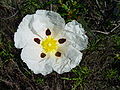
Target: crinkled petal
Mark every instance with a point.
(40, 24)
(37, 24)
(76, 35)
(69, 59)
(24, 35)
(31, 56)
(44, 20)
(24, 25)
(54, 17)
(22, 38)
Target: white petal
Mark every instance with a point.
(24, 33)
(54, 17)
(76, 35)
(69, 59)
(24, 25)
(31, 56)
(37, 24)
(74, 55)
(40, 24)
(47, 19)
(21, 38)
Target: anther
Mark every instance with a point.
(37, 40)
(58, 54)
(62, 40)
(42, 55)
(48, 32)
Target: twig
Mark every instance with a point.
(11, 16)
(107, 32)
(7, 82)
(99, 7)
(117, 1)
(97, 3)
(7, 7)
(100, 32)
(10, 83)
(115, 28)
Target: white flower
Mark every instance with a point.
(48, 44)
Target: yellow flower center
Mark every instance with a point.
(49, 44)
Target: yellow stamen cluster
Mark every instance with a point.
(49, 44)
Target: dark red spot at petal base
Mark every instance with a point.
(48, 32)
(58, 54)
(42, 55)
(62, 40)
(37, 40)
